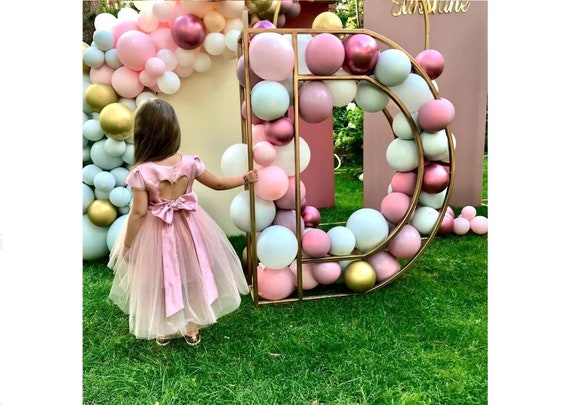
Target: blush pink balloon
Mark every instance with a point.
(263, 24)
(126, 82)
(326, 272)
(479, 225)
(162, 38)
(287, 200)
(406, 243)
(240, 73)
(308, 281)
(446, 226)
(311, 216)
(394, 206)
(288, 219)
(119, 29)
(461, 225)
(275, 284)
(188, 31)
(315, 101)
(101, 74)
(155, 67)
(360, 54)
(385, 265)
(279, 132)
(404, 182)
(315, 242)
(264, 153)
(432, 62)
(134, 48)
(468, 212)
(271, 56)
(272, 183)
(436, 178)
(324, 54)
(436, 115)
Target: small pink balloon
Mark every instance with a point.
(264, 153)
(263, 24)
(315, 243)
(468, 212)
(311, 216)
(126, 82)
(271, 56)
(162, 38)
(155, 67)
(385, 265)
(275, 284)
(308, 281)
(324, 54)
(119, 29)
(404, 182)
(361, 54)
(287, 200)
(101, 74)
(394, 206)
(449, 211)
(446, 226)
(436, 178)
(188, 31)
(288, 219)
(432, 62)
(315, 101)
(406, 243)
(326, 272)
(436, 115)
(479, 225)
(279, 132)
(272, 183)
(134, 48)
(461, 225)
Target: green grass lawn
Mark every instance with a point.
(420, 340)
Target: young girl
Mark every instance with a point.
(175, 270)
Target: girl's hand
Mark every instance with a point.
(250, 177)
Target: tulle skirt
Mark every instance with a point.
(138, 285)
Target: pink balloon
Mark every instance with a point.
(288, 219)
(263, 24)
(461, 225)
(311, 216)
(287, 200)
(327, 272)
(468, 212)
(315, 243)
(188, 31)
(324, 54)
(146, 79)
(240, 73)
(436, 115)
(162, 38)
(432, 62)
(446, 226)
(155, 67)
(275, 284)
(404, 182)
(308, 281)
(264, 153)
(258, 134)
(119, 29)
(279, 132)
(271, 56)
(101, 74)
(436, 178)
(134, 48)
(361, 54)
(385, 265)
(272, 183)
(315, 101)
(479, 225)
(406, 243)
(126, 82)
(394, 206)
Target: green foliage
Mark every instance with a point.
(348, 133)
(350, 13)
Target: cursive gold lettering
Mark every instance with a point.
(410, 7)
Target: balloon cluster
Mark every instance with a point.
(421, 123)
(466, 221)
(276, 11)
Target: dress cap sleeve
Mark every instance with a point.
(200, 166)
(135, 180)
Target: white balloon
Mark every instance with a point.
(202, 63)
(342, 239)
(168, 57)
(424, 219)
(432, 200)
(186, 57)
(402, 155)
(370, 98)
(269, 100)
(144, 96)
(285, 157)
(240, 212)
(434, 144)
(234, 160)
(413, 92)
(231, 8)
(168, 83)
(231, 40)
(393, 67)
(127, 14)
(343, 91)
(369, 227)
(276, 247)
(105, 21)
(401, 126)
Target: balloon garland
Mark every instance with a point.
(137, 55)
(312, 71)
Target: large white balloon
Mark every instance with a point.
(393, 67)
(402, 155)
(285, 158)
(370, 98)
(369, 227)
(276, 247)
(234, 160)
(424, 219)
(413, 92)
(240, 212)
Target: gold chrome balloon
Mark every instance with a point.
(116, 121)
(102, 212)
(328, 21)
(359, 276)
(85, 66)
(258, 6)
(98, 95)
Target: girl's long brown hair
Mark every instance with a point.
(156, 131)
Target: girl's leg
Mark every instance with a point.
(192, 335)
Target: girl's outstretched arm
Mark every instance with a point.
(136, 215)
(214, 182)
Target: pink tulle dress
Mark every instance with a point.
(181, 267)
